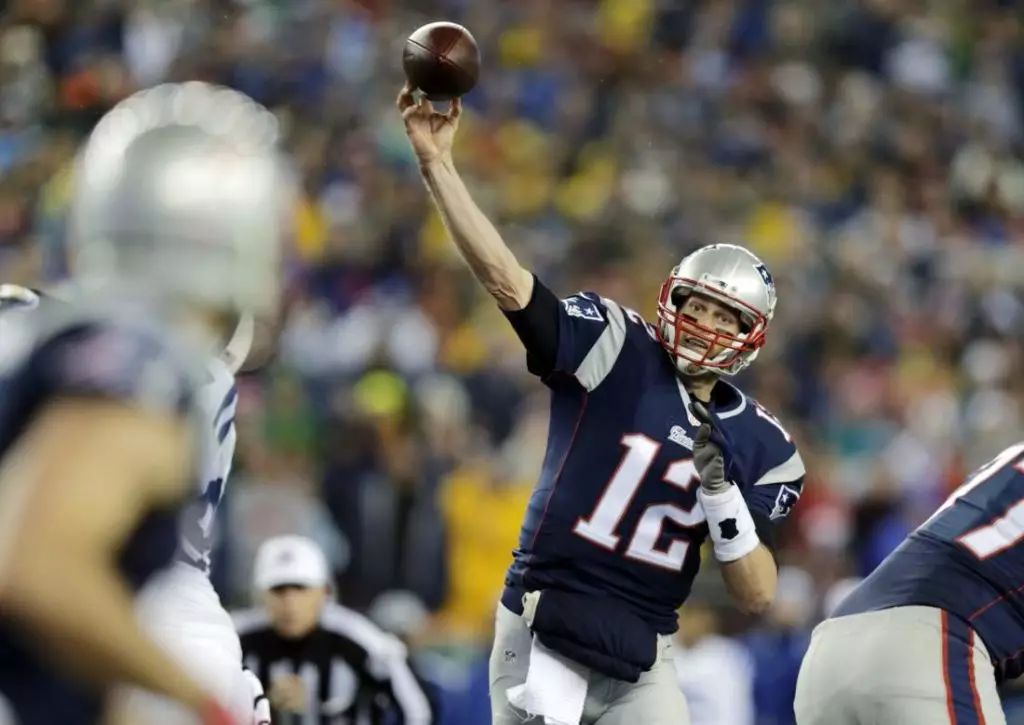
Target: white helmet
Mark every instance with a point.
(732, 276)
(181, 192)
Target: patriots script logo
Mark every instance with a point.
(678, 435)
(728, 529)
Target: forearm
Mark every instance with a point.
(748, 566)
(752, 579)
(480, 244)
(82, 614)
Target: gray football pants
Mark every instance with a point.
(654, 700)
(901, 666)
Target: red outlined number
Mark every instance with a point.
(763, 412)
(600, 527)
(1002, 532)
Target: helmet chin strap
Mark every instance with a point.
(694, 371)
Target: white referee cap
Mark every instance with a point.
(290, 560)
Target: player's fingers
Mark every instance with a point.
(455, 110)
(408, 113)
(703, 435)
(406, 99)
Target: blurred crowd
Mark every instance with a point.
(869, 150)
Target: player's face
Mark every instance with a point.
(711, 315)
(294, 610)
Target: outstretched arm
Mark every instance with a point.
(492, 262)
(480, 244)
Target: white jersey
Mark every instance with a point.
(180, 608)
(219, 398)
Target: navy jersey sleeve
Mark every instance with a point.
(581, 336)
(776, 471)
(107, 361)
(591, 333)
(584, 338)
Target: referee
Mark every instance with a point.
(321, 663)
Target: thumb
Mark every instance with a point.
(703, 435)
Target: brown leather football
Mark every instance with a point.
(442, 60)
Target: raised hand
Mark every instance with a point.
(431, 133)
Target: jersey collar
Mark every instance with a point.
(727, 400)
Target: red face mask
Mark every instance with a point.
(723, 349)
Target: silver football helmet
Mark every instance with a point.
(732, 276)
(181, 192)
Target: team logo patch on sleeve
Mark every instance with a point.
(784, 502)
(582, 308)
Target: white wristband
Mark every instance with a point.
(729, 521)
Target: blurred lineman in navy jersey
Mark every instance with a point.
(649, 452)
(938, 626)
(179, 205)
(322, 663)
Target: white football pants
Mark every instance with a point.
(180, 609)
(899, 666)
(653, 700)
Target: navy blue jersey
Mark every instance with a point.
(967, 559)
(42, 360)
(615, 512)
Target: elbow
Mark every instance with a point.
(510, 286)
(37, 576)
(18, 592)
(753, 582)
(756, 601)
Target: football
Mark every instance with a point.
(442, 60)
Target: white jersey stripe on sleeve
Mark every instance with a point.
(602, 356)
(787, 472)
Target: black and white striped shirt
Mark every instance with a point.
(357, 674)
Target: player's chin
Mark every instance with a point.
(692, 370)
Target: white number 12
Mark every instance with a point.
(600, 527)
